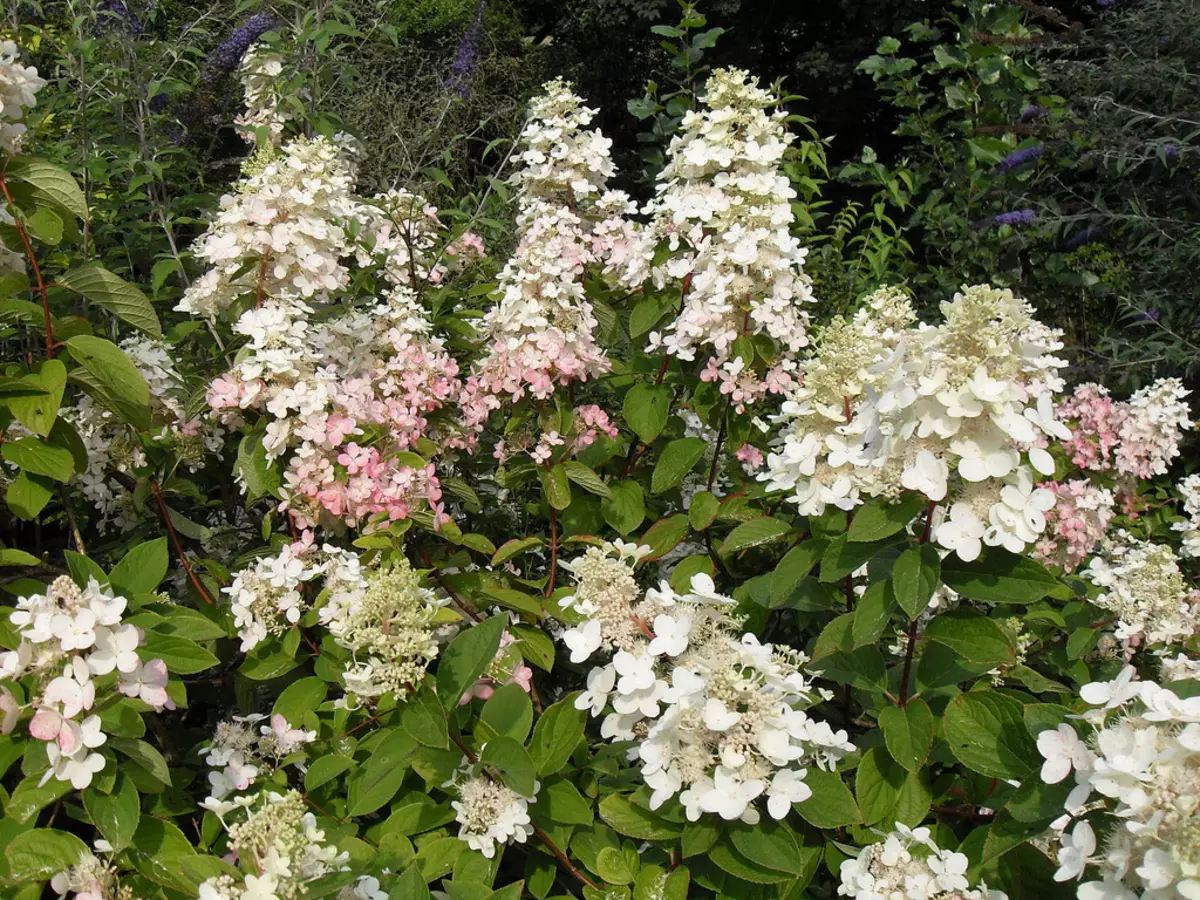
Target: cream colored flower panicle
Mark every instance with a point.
(488, 813)
(908, 864)
(719, 718)
(264, 110)
(388, 624)
(958, 412)
(18, 89)
(724, 208)
(1137, 783)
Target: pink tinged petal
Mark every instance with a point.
(45, 725)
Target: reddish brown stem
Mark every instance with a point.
(37, 272)
(183, 560)
(553, 551)
(712, 469)
(468, 608)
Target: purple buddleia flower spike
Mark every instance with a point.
(229, 53)
(1087, 236)
(1013, 217)
(466, 56)
(115, 15)
(1170, 152)
(1019, 158)
(1150, 315)
(1031, 112)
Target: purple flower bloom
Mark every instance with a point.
(1150, 315)
(466, 56)
(1031, 112)
(1019, 158)
(115, 15)
(229, 53)
(1170, 152)
(1013, 217)
(1087, 236)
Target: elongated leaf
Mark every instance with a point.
(112, 378)
(38, 411)
(755, 533)
(468, 655)
(47, 183)
(646, 409)
(142, 569)
(586, 479)
(556, 735)
(39, 458)
(118, 296)
(676, 460)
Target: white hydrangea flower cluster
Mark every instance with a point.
(73, 647)
(261, 71)
(1143, 760)
(1150, 435)
(388, 623)
(91, 879)
(281, 838)
(488, 813)
(949, 410)
(18, 92)
(1189, 529)
(241, 750)
(908, 865)
(541, 330)
(112, 446)
(1145, 591)
(724, 209)
(719, 718)
(365, 888)
(270, 596)
(285, 219)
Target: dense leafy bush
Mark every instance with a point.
(537, 540)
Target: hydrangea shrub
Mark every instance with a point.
(597, 565)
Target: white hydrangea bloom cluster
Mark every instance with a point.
(488, 813)
(719, 718)
(18, 92)
(952, 411)
(1145, 591)
(285, 219)
(908, 865)
(270, 596)
(388, 622)
(112, 446)
(261, 71)
(91, 879)
(1143, 762)
(540, 332)
(1150, 434)
(1189, 490)
(75, 649)
(365, 888)
(725, 209)
(281, 838)
(241, 750)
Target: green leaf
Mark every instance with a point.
(267, 661)
(564, 805)
(877, 784)
(324, 769)
(301, 696)
(556, 735)
(262, 478)
(703, 509)
(40, 854)
(10, 556)
(515, 766)
(145, 756)
(794, 568)
(157, 851)
(908, 733)
(626, 508)
(515, 547)
(410, 886)
(425, 720)
(729, 859)
(1000, 577)
(113, 380)
(677, 459)
(39, 458)
(635, 822)
(664, 536)
(37, 412)
(586, 478)
(118, 296)
(974, 637)
(843, 557)
(182, 656)
(513, 599)
(646, 409)
(467, 657)
(27, 495)
(535, 646)
(115, 814)
(872, 613)
(557, 486)
(509, 712)
(915, 576)
(698, 837)
(381, 775)
(142, 569)
(986, 733)
(831, 804)
(47, 184)
(878, 519)
(612, 866)
(46, 226)
(755, 533)
(29, 798)
(771, 844)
